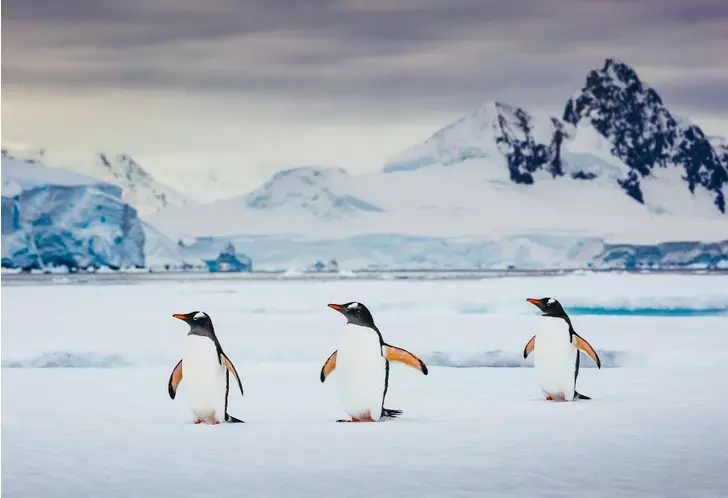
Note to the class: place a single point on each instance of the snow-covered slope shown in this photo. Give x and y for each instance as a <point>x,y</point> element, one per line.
<point>140,189</point>
<point>318,191</point>
<point>497,132</point>
<point>52,217</point>
<point>720,145</point>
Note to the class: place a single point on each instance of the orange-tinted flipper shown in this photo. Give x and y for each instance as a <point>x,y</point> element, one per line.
<point>174,380</point>
<point>581,343</point>
<point>398,354</point>
<point>229,365</point>
<point>328,367</point>
<point>529,347</point>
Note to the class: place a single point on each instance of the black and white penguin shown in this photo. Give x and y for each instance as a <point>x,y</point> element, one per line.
<point>362,366</point>
<point>206,370</point>
<point>556,348</point>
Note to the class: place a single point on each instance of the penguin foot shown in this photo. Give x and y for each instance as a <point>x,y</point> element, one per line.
<point>556,397</point>
<point>198,421</point>
<point>355,420</point>
<point>216,422</point>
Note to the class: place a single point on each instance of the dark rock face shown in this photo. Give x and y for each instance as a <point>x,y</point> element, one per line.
<point>643,132</point>
<point>524,153</point>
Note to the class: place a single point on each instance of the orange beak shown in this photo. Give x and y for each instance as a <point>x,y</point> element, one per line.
<point>534,301</point>
<point>180,316</point>
<point>336,307</point>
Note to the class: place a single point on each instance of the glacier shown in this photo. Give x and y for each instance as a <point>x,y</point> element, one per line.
<point>387,252</point>
<point>56,218</point>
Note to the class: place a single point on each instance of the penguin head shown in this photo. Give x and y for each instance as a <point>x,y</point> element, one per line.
<point>197,320</point>
<point>356,313</point>
<point>549,306</point>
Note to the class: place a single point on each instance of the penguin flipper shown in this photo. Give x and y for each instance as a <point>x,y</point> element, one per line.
<point>529,347</point>
<point>393,353</point>
<point>229,365</point>
<point>582,344</point>
<point>174,380</point>
<point>328,367</point>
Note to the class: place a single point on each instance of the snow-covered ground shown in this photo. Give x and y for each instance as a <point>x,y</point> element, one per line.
<point>656,425</point>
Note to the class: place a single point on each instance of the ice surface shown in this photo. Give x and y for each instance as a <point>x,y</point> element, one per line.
<point>655,426</point>
<point>411,252</point>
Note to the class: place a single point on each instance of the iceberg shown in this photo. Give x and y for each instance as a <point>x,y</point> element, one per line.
<point>55,218</point>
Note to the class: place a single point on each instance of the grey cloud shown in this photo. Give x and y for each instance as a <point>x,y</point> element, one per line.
<point>364,55</point>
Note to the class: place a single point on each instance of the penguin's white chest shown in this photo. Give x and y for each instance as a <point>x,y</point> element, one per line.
<point>555,357</point>
<point>204,379</point>
<point>360,372</point>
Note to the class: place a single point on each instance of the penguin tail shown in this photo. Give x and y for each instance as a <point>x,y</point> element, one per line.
<point>388,413</point>
<point>232,420</point>
<point>580,396</point>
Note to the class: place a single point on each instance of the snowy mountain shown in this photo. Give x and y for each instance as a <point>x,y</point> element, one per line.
<point>618,180</point>
<point>140,189</point>
<point>317,191</point>
<point>52,217</point>
<point>495,131</point>
<point>644,134</point>
<point>615,127</point>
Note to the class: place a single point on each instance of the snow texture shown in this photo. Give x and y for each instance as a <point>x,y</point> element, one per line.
<point>655,426</point>
<point>51,217</point>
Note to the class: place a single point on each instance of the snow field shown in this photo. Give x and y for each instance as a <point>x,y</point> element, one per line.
<point>656,425</point>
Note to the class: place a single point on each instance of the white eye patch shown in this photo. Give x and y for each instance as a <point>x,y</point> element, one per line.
<point>353,306</point>
<point>199,315</point>
<point>551,301</point>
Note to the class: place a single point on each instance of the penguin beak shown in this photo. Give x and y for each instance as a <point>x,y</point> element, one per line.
<point>180,316</point>
<point>535,302</point>
<point>336,307</point>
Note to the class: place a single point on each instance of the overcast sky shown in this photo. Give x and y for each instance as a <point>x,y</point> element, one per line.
<point>243,88</point>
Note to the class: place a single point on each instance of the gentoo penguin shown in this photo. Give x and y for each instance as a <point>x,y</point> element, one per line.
<point>556,356</point>
<point>362,365</point>
<point>206,371</point>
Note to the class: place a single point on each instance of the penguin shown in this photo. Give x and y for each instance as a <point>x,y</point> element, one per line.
<point>556,356</point>
<point>206,370</point>
<point>362,363</point>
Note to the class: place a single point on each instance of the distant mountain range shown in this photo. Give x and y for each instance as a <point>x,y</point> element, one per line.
<point>616,164</point>
<point>610,181</point>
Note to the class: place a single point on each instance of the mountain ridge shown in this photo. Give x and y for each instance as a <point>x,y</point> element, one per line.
<point>644,133</point>
<point>139,188</point>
